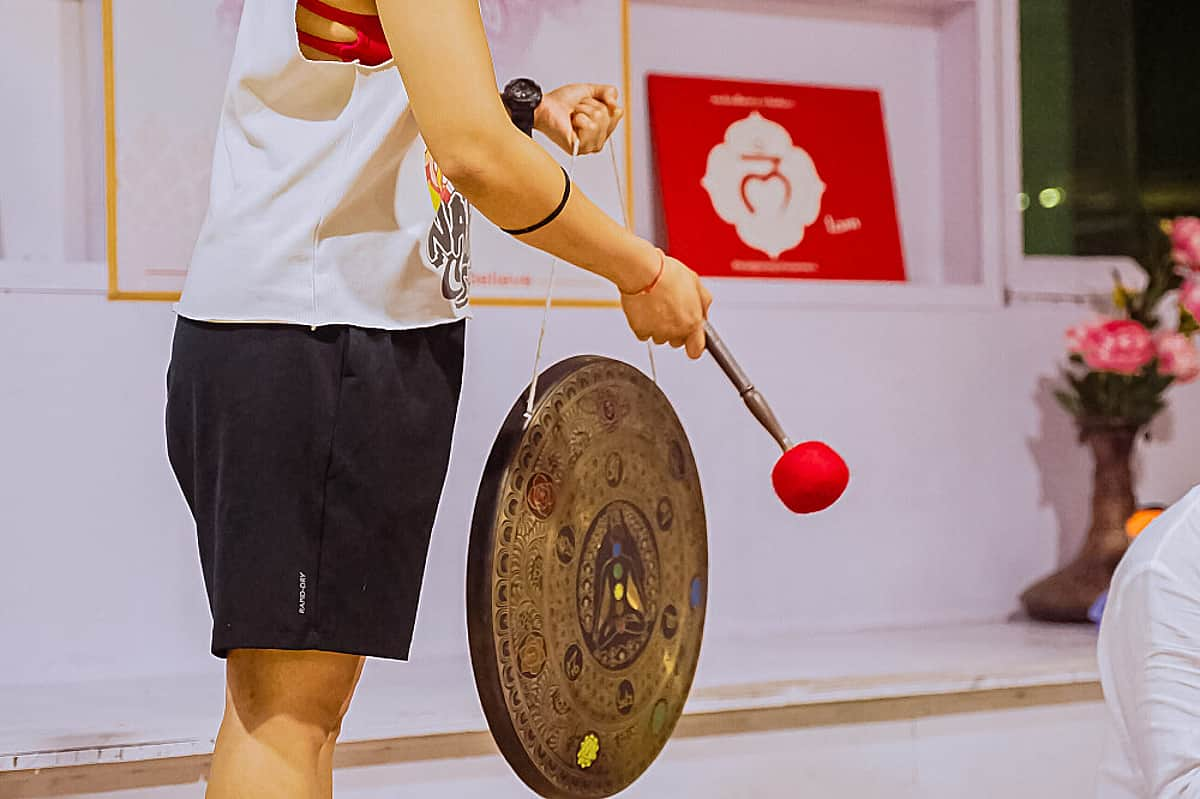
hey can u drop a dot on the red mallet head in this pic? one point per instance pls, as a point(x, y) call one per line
point(810, 477)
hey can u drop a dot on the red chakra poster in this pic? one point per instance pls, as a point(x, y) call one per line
point(775, 181)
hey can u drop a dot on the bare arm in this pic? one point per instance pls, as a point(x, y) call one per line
point(442, 53)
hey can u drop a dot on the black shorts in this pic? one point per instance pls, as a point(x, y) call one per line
point(313, 462)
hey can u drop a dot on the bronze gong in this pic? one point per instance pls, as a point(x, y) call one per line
point(587, 579)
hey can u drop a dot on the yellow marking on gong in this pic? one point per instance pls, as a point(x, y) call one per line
point(619, 592)
point(589, 750)
point(635, 599)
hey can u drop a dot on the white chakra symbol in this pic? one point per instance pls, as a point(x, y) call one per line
point(760, 182)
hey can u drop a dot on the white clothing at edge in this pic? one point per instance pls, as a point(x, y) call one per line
point(1150, 662)
point(324, 208)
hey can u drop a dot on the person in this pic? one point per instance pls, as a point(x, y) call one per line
point(1149, 655)
point(317, 358)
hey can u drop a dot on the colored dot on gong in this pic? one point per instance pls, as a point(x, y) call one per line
point(618, 571)
point(619, 592)
point(589, 750)
point(617, 549)
point(697, 592)
point(659, 719)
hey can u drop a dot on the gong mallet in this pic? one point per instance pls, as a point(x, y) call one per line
point(809, 477)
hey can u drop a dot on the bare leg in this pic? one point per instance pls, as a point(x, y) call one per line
point(325, 761)
point(282, 711)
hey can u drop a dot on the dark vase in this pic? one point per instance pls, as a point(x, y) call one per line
point(1067, 595)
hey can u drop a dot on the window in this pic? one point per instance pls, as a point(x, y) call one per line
point(1110, 118)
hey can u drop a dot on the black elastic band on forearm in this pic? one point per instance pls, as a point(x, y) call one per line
point(553, 214)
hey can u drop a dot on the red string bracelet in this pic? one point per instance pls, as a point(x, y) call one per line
point(662, 268)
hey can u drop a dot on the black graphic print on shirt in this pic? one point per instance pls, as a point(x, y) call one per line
point(449, 246)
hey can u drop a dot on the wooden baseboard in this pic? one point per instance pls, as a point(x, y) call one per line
point(870, 711)
point(75, 780)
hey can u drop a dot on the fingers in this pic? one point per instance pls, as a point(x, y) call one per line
point(584, 130)
point(706, 299)
point(591, 123)
point(695, 343)
point(610, 97)
point(615, 112)
point(592, 111)
point(615, 119)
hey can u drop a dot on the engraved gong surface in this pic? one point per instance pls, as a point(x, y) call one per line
point(587, 580)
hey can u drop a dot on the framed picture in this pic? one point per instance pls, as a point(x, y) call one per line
point(775, 181)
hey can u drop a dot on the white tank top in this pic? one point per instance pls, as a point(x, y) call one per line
point(325, 207)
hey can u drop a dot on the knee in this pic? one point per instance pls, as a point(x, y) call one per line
point(310, 689)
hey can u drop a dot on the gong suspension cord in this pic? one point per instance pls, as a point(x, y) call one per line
point(624, 200)
point(537, 357)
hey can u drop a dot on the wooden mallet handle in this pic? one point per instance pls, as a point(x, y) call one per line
point(752, 396)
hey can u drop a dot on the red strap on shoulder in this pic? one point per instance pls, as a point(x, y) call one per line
point(370, 49)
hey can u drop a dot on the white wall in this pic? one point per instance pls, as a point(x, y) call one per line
point(966, 475)
point(962, 474)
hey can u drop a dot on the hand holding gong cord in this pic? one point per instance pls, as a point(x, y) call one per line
point(810, 476)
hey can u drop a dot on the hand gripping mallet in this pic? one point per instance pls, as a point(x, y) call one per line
point(809, 477)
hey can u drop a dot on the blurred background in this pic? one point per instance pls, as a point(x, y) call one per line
point(881, 648)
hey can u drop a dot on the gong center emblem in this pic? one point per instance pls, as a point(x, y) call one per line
point(618, 584)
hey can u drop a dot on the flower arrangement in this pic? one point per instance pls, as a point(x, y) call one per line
point(1119, 369)
point(1120, 366)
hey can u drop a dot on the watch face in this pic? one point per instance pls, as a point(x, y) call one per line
point(524, 90)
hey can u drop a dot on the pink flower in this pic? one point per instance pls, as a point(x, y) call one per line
point(1177, 357)
point(1185, 239)
point(1079, 335)
point(1118, 345)
point(1189, 296)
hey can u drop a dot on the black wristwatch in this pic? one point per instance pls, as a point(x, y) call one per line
point(522, 97)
